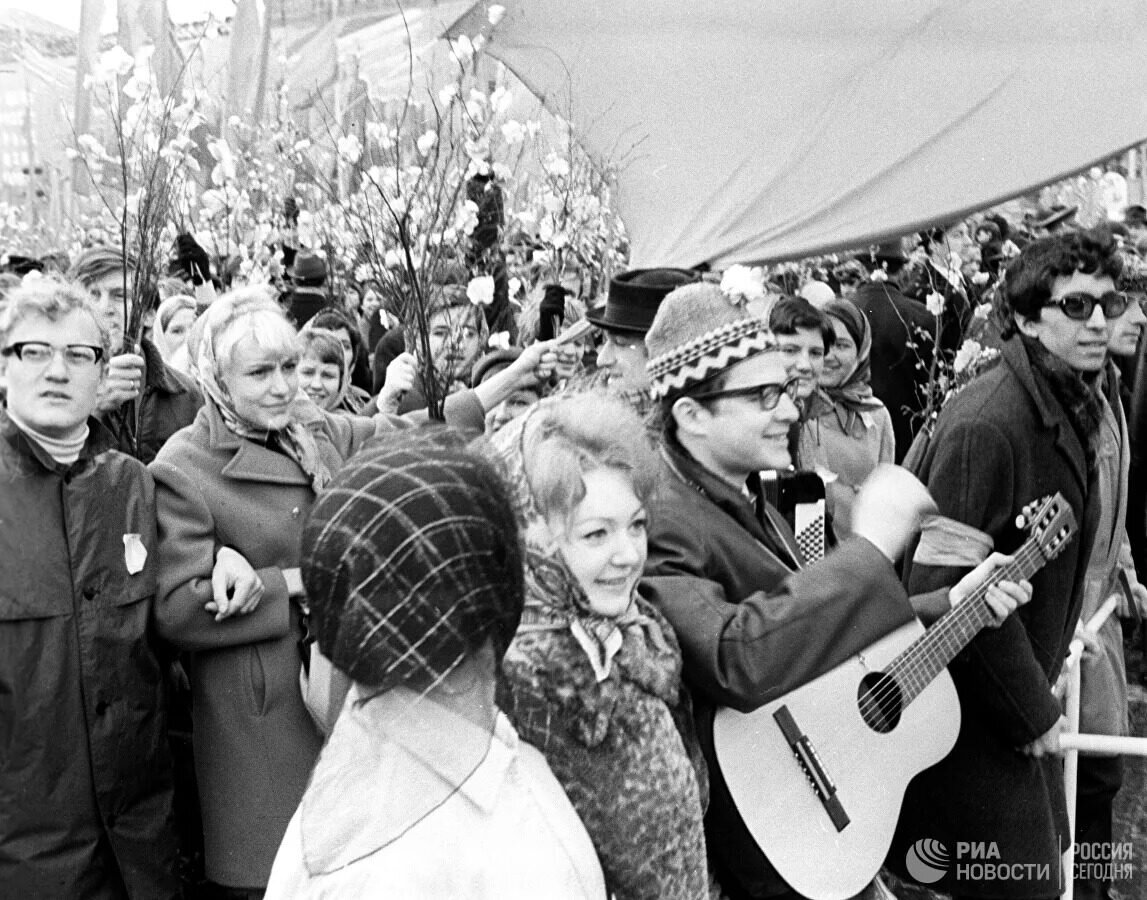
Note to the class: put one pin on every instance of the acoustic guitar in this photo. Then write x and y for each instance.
(819, 774)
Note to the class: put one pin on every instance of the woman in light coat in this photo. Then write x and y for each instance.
(846, 431)
(240, 480)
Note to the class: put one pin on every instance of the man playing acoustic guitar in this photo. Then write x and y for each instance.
(725, 569)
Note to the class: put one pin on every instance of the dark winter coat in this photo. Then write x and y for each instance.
(1004, 441)
(170, 401)
(903, 334)
(85, 775)
(752, 627)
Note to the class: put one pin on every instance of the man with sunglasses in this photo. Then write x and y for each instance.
(754, 623)
(1032, 426)
(84, 771)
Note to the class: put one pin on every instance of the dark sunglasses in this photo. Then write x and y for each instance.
(1081, 306)
(767, 395)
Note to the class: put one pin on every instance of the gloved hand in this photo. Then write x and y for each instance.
(551, 311)
(192, 259)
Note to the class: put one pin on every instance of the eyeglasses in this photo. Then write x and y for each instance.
(1081, 306)
(767, 395)
(37, 353)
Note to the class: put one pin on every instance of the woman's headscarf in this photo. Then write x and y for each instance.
(853, 395)
(163, 316)
(555, 600)
(229, 312)
(349, 398)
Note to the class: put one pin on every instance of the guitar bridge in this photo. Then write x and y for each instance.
(814, 770)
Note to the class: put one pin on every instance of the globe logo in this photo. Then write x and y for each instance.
(927, 860)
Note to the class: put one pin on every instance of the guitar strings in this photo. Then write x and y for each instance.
(912, 660)
(1026, 563)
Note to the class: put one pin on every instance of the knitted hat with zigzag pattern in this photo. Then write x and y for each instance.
(699, 331)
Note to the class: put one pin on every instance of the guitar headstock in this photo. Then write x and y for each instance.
(1049, 522)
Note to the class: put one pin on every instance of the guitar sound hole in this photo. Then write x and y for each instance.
(880, 701)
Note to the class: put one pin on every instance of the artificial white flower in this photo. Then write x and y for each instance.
(480, 290)
(350, 148)
(982, 311)
(515, 286)
(513, 132)
(879, 275)
(557, 167)
(116, 61)
(447, 95)
(981, 278)
(463, 49)
(426, 142)
(967, 354)
(935, 303)
(743, 282)
(467, 219)
(552, 203)
(499, 340)
(500, 101)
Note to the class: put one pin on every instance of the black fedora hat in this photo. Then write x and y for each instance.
(1056, 215)
(308, 267)
(634, 297)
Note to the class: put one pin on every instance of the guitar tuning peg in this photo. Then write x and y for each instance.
(1021, 519)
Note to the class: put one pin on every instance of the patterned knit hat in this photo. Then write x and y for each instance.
(699, 331)
(412, 560)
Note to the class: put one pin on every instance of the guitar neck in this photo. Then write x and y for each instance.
(916, 667)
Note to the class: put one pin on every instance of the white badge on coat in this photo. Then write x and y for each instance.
(134, 553)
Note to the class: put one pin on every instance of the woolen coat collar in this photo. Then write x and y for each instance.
(767, 527)
(250, 461)
(157, 374)
(100, 440)
(1051, 413)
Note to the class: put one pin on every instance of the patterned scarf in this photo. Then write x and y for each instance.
(554, 598)
(1079, 400)
(294, 441)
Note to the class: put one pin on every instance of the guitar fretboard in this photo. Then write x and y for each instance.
(918, 666)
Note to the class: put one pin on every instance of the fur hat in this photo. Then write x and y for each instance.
(698, 331)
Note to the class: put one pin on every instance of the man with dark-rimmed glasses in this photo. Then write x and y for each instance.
(85, 774)
(1034, 425)
(753, 621)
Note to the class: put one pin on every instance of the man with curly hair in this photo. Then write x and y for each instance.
(1034, 425)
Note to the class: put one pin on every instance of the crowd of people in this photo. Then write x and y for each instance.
(273, 623)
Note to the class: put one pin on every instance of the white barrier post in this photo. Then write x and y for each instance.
(1071, 755)
(1071, 776)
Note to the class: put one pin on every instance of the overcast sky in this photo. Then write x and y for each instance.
(67, 12)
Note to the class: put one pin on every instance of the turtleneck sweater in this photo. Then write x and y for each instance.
(65, 450)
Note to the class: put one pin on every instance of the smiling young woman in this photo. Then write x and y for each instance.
(594, 673)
